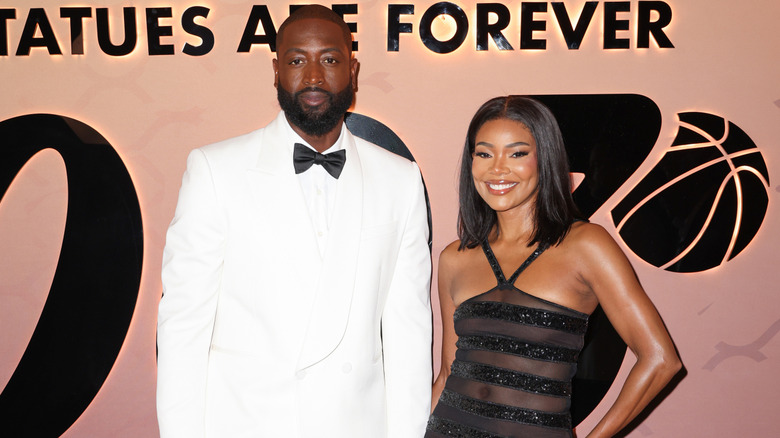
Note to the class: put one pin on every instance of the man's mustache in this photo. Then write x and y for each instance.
(312, 89)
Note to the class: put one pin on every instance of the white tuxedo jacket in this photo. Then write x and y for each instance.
(261, 336)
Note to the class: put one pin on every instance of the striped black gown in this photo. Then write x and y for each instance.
(515, 360)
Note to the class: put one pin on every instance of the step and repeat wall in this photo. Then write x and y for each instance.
(670, 111)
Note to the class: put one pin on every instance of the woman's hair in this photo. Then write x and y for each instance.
(554, 210)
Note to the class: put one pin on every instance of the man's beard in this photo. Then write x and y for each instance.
(308, 119)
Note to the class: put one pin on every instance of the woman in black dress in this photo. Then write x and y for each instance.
(510, 344)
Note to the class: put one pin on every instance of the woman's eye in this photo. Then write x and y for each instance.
(482, 154)
(519, 154)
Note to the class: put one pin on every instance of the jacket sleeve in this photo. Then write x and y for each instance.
(191, 272)
(406, 324)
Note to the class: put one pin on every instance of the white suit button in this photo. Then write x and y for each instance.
(347, 367)
(300, 374)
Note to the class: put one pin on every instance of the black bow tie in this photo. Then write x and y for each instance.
(304, 157)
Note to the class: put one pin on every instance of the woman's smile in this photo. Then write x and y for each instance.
(500, 187)
(504, 164)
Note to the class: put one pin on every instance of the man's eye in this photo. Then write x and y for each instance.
(296, 62)
(330, 60)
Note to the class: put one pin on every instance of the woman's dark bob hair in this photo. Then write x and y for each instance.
(554, 210)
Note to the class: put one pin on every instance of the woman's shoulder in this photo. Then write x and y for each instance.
(450, 252)
(593, 248)
(588, 237)
(453, 255)
(586, 230)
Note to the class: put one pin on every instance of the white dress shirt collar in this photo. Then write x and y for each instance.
(318, 186)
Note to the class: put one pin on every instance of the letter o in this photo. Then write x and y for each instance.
(461, 22)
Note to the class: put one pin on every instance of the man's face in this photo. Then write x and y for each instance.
(314, 75)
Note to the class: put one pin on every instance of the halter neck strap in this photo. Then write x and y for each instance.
(497, 268)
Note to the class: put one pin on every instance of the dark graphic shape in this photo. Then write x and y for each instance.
(597, 366)
(751, 350)
(95, 287)
(375, 132)
(607, 137)
(702, 203)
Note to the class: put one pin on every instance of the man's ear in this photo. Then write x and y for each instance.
(355, 68)
(275, 65)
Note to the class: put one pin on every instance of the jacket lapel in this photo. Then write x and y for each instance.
(279, 200)
(333, 299)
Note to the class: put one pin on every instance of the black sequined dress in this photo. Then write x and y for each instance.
(512, 372)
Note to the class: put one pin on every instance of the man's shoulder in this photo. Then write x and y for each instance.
(242, 148)
(372, 154)
(251, 139)
(234, 144)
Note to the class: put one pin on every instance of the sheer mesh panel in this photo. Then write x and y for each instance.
(515, 360)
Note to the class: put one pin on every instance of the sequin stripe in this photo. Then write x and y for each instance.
(511, 379)
(517, 348)
(455, 430)
(522, 315)
(504, 412)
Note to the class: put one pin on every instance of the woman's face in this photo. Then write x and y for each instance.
(504, 166)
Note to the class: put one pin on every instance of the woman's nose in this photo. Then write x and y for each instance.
(499, 166)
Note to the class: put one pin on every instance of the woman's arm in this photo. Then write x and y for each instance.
(612, 279)
(449, 338)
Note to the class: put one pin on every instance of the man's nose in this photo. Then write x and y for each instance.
(313, 74)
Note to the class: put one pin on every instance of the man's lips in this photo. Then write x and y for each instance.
(313, 98)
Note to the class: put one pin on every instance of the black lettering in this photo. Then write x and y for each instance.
(5, 15)
(528, 25)
(574, 35)
(394, 25)
(612, 25)
(484, 28)
(76, 17)
(645, 27)
(104, 32)
(37, 20)
(258, 15)
(192, 28)
(154, 31)
(461, 27)
(350, 9)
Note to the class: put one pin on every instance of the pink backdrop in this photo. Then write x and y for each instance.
(155, 109)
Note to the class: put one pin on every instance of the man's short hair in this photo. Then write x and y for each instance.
(318, 12)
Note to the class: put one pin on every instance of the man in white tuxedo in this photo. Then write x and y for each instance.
(296, 269)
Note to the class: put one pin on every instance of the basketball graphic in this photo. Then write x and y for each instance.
(703, 202)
